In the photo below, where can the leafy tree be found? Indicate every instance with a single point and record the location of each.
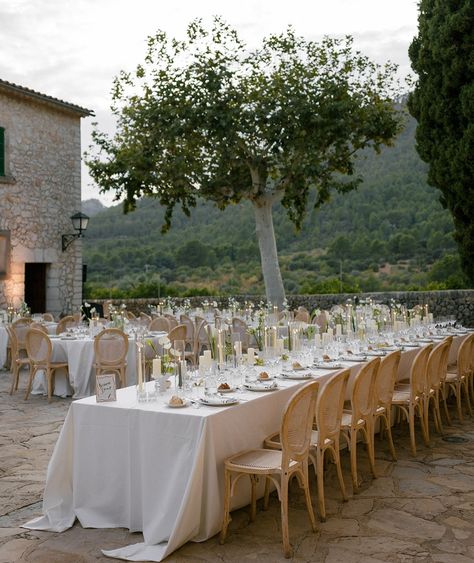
(206, 118)
(443, 104)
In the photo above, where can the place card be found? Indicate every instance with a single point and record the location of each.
(105, 388)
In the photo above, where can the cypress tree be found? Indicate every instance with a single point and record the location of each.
(442, 55)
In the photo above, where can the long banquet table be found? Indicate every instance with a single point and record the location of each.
(150, 468)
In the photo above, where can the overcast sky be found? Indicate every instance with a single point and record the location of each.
(72, 49)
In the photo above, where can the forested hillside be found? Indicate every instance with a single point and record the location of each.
(392, 233)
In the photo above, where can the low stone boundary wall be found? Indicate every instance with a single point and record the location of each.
(450, 303)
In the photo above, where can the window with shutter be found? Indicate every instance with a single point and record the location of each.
(2, 151)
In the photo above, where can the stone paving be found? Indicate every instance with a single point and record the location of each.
(419, 509)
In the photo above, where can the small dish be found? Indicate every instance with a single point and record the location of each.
(354, 358)
(185, 404)
(292, 375)
(259, 386)
(328, 365)
(218, 401)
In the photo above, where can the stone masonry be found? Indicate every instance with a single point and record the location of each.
(40, 190)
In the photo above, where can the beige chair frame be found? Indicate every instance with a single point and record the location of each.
(119, 365)
(278, 466)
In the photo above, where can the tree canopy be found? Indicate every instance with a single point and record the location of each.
(207, 118)
(443, 104)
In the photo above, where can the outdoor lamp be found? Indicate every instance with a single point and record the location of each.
(79, 222)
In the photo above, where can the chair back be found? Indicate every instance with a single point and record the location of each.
(189, 324)
(159, 324)
(171, 321)
(434, 365)
(464, 356)
(418, 372)
(443, 368)
(130, 316)
(145, 319)
(239, 326)
(13, 341)
(363, 390)
(201, 341)
(38, 347)
(303, 316)
(39, 326)
(48, 317)
(297, 423)
(177, 333)
(65, 323)
(330, 405)
(322, 321)
(111, 347)
(386, 378)
(21, 327)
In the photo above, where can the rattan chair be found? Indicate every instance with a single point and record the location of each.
(18, 358)
(189, 324)
(326, 433)
(303, 316)
(458, 381)
(360, 416)
(48, 317)
(65, 323)
(39, 326)
(159, 324)
(145, 319)
(435, 380)
(201, 338)
(384, 389)
(111, 348)
(21, 327)
(173, 323)
(409, 401)
(39, 348)
(278, 466)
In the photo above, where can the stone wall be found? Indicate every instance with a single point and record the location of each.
(456, 303)
(38, 195)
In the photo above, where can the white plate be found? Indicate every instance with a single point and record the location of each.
(328, 365)
(185, 404)
(353, 358)
(217, 401)
(390, 348)
(260, 387)
(376, 353)
(292, 375)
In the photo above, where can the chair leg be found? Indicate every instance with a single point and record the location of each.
(426, 422)
(337, 460)
(437, 412)
(388, 427)
(445, 406)
(319, 470)
(458, 401)
(15, 369)
(411, 424)
(227, 519)
(253, 504)
(30, 382)
(266, 496)
(49, 377)
(465, 385)
(424, 429)
(355, 480)
(370, 444)
(307, 496)
(284, 517)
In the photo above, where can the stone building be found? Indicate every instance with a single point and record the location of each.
(40, 189)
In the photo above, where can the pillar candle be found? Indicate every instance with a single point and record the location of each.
(280, 345)
(156, 371)
(139, 368)
(317, 339)
(238, 348)
(251, 356)
(338, 330)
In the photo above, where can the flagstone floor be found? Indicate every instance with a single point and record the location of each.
(419, 509)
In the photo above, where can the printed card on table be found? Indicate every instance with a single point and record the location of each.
(105, 388)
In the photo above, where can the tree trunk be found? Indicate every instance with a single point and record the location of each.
(268, 250)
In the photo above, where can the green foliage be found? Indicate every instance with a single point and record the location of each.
(443, 104)
(359, 231)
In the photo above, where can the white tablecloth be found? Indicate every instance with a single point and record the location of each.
(150, 468)
(79, 354)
